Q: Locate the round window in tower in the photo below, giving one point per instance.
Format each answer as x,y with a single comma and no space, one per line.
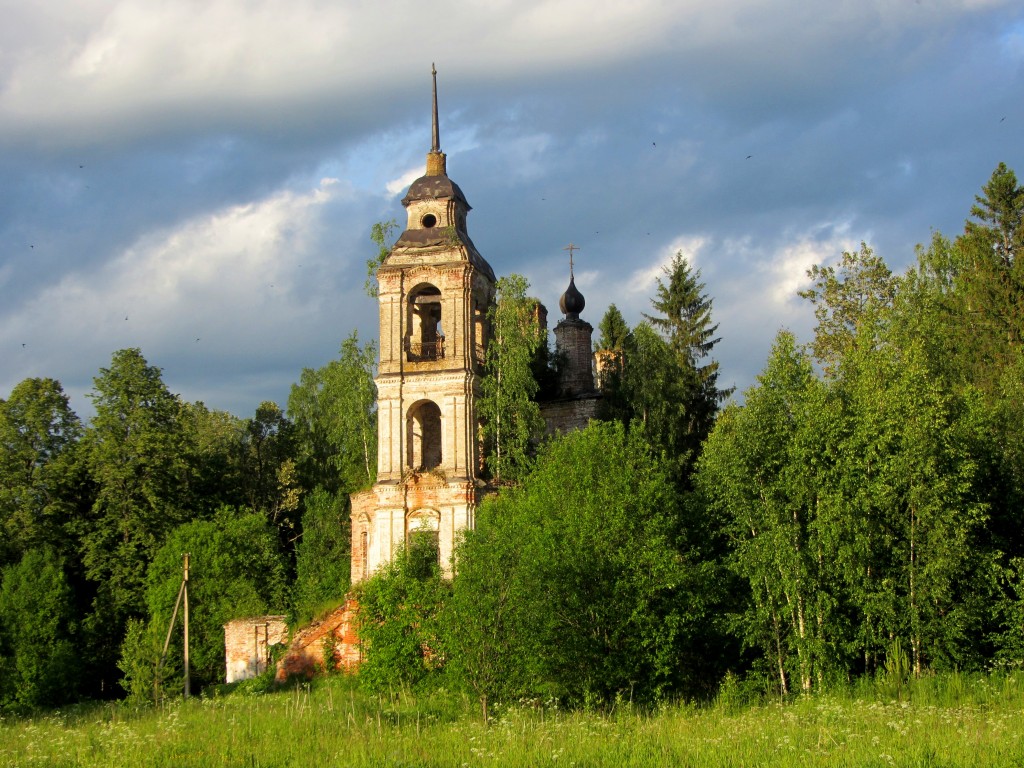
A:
428,221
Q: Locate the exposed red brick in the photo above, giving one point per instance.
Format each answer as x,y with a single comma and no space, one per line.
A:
332,638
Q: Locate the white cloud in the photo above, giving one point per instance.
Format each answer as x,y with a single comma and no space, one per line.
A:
641,282
234,281
105,65
785,272
401,184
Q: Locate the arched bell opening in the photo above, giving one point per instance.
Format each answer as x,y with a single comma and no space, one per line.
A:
426,337
424,427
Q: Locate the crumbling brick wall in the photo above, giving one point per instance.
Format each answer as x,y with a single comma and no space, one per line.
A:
563,416
247,645
332,639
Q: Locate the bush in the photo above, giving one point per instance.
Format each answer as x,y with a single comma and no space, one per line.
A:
398,614
579,584
38,660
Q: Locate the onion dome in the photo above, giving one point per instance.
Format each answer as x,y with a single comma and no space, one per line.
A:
572,301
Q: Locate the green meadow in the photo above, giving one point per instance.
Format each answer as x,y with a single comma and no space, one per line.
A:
953,720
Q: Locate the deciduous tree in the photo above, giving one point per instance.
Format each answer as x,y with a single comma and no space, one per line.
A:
135,455
845,300
236,570
381,235
398,619
39,660
38,434
575,584
334,409
323,566
511,418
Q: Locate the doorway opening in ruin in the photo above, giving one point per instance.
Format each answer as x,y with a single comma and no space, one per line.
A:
422,541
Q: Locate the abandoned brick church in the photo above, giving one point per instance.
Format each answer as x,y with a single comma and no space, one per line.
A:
435,290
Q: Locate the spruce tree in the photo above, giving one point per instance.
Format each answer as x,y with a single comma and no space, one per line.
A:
684,320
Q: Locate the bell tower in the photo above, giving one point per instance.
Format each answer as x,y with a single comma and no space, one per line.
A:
434,290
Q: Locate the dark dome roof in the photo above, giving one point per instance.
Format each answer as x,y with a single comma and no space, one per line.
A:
434,188
572,301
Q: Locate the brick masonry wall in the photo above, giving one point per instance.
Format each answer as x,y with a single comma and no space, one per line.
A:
332,639
569,415
572,341
247,645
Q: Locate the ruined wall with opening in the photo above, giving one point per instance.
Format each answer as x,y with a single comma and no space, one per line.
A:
248,645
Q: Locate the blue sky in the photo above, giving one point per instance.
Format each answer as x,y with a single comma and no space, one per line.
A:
199,179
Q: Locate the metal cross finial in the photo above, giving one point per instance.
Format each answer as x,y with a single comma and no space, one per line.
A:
570,248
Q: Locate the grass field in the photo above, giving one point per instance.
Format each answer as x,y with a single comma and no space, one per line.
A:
947,721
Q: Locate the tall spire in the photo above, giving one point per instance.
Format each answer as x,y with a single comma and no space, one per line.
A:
436,146
436,165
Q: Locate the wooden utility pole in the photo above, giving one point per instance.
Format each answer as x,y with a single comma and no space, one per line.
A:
182,593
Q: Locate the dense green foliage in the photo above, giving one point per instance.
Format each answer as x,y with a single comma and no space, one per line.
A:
399,618
874,511
507,408
583,584
322,568
236,569
95,519
857,517
37,632
38,435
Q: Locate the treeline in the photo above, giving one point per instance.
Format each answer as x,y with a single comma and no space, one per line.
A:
874,509
95,518
860,512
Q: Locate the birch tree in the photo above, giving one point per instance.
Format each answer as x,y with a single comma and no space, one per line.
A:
511,419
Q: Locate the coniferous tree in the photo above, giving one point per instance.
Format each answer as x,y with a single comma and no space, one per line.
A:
992,278
614,331
613,346
684,319
1000,213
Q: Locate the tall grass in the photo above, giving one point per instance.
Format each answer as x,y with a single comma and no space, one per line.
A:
943,721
